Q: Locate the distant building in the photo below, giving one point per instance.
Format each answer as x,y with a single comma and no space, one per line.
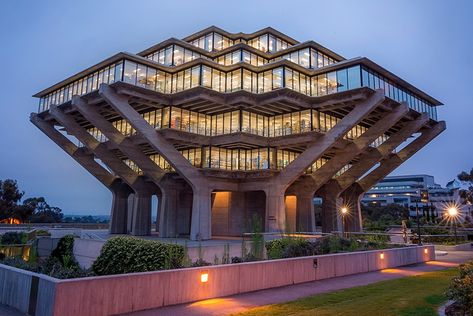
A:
405,190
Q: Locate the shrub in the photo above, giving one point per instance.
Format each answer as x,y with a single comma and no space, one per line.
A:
129,254
201,263
13,238
288,247
64,248
461,289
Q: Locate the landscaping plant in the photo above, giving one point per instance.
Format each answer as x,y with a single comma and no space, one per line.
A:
126,254
461,292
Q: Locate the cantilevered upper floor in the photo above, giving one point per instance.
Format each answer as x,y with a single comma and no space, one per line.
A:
257,63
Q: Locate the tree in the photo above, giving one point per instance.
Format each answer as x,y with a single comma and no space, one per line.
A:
467,179
43,212
10,195
388,213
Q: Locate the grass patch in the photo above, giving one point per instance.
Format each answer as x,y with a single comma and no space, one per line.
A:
416,295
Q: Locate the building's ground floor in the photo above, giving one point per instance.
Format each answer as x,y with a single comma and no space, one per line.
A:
216,213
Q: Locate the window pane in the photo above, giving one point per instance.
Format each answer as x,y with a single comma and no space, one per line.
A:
130,72
342,80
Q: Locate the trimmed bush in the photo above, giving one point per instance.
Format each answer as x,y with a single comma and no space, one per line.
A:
289,247
127,254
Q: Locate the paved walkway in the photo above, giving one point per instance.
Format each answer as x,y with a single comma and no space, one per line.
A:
242,302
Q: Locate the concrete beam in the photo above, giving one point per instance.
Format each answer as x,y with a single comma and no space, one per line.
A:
322,144
98,149
391,163
123,143
85,160
326,172
368,159
182,166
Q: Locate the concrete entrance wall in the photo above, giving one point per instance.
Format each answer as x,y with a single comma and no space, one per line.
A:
233,212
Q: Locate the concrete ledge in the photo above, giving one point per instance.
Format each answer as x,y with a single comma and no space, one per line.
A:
462,247
115,294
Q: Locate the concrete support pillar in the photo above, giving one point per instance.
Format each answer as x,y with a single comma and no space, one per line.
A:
275,209
330,194
352,198
168,211
141,225
305,217
201,223
119,211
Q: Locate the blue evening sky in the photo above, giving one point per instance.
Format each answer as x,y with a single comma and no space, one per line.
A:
428,43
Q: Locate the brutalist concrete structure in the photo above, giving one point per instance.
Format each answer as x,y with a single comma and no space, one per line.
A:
230,129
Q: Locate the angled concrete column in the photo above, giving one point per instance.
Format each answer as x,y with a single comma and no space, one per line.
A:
275,209
326,141
326,172
331,204
389,164
124,144
372,156
182,166
86,160
201,224
201,208
119,212
305,217
97,148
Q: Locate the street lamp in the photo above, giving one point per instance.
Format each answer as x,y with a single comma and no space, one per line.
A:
452,213
343,212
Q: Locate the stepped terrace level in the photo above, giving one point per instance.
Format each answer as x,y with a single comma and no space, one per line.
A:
227,129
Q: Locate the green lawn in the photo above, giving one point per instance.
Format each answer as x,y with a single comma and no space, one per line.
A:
417,295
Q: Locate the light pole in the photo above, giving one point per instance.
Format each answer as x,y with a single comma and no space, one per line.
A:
452,213
344,212
419,241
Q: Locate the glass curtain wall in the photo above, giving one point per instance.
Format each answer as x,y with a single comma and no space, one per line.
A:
268,43
238,121
240,79
308,58
237,159
212,42
174,55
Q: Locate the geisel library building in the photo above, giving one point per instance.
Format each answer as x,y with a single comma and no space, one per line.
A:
224,128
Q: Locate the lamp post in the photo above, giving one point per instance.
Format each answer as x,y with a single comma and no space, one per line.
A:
344,212
452,213
419,241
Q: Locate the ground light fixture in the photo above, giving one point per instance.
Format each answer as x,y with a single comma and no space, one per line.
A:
381,255
426,251
204,276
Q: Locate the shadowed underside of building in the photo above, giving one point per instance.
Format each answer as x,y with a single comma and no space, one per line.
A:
231,129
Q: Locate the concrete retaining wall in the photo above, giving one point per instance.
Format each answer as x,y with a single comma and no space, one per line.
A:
462,247
86,251
116,294
28,292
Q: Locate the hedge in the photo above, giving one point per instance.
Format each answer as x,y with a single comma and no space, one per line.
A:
126,254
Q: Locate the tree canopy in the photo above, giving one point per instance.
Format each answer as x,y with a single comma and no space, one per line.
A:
34,210
467,179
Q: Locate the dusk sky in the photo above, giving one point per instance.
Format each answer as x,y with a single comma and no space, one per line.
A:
428,43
